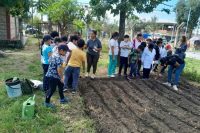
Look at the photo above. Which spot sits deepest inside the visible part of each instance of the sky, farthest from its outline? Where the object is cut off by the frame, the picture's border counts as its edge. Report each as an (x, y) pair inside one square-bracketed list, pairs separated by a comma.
[(162, 16)]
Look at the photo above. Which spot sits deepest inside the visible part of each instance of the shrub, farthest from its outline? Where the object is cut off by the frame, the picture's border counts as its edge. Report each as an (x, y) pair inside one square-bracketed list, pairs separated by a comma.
[(11, 44)]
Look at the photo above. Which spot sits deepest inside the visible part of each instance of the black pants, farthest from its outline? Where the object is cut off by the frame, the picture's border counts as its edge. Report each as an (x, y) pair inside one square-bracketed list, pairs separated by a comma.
[(92, 61), (146, 73), (53, 83), (45, 80), (139, 64), (123, 63)]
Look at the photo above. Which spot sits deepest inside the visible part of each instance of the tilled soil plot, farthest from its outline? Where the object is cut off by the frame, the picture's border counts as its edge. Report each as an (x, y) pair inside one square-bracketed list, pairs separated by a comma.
[(138, 106)]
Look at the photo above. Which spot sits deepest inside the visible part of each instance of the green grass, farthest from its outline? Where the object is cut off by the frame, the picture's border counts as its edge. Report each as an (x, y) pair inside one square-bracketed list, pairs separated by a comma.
[(192, 69), (67, 118)]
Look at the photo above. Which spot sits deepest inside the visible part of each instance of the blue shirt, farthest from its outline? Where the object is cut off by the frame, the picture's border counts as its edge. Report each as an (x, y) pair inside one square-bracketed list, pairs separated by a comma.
[(46, 49), (91, 44), (54, 63)]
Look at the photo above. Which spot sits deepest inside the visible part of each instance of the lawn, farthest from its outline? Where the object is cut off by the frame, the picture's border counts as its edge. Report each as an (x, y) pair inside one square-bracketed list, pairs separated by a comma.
[(192, 69), (66, 118)]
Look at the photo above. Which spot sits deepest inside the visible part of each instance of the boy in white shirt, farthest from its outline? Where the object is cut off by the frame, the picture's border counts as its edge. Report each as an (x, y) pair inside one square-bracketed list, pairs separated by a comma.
[(147, 60), (125, 47)]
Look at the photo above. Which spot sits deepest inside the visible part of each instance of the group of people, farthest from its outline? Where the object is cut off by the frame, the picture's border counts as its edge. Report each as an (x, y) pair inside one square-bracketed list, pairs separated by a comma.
[(62, 59), (153, 55)]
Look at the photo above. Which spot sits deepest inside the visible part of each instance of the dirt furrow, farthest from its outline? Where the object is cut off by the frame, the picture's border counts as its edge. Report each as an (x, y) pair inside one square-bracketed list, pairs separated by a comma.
[(156, 99), (141, 112), (181, 115), (98, 110), (176, 98)]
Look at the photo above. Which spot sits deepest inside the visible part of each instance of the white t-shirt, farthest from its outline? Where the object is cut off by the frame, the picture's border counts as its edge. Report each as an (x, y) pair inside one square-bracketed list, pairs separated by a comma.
[(163, 52), (113, 43), (125, 51), (136, 43), (147, 57), (71, 46)]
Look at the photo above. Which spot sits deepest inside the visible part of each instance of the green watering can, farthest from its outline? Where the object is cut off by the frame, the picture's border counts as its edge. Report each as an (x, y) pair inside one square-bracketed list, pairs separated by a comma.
[(28, 109)]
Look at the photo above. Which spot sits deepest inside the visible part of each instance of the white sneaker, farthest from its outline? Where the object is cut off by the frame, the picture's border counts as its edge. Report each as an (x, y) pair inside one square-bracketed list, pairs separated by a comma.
[(112, 76), (92, 76), (87, 75), (175, 88), (167, 84)]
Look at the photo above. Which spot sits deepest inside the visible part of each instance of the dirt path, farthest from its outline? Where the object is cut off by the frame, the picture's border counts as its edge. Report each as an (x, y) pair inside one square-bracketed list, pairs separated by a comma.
[(119, 106)]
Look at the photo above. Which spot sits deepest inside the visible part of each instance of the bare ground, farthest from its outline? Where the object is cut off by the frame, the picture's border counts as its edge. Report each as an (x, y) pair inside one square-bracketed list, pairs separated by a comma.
[(138, 106)]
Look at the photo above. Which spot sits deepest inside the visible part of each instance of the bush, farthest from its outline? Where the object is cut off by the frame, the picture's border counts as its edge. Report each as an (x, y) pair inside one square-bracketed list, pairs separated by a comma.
[(11, 44)]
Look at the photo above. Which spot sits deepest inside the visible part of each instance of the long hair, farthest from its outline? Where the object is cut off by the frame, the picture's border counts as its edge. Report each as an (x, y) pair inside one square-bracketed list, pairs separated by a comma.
[(183, 39)]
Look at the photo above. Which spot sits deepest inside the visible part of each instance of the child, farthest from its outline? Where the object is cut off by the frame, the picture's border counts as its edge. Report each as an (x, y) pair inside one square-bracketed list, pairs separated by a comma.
[(133, 60), (113, 54), (55, 47), (55, 76), (77, 59), (147, 60), (158, 49), (46, 52), (125, 46)]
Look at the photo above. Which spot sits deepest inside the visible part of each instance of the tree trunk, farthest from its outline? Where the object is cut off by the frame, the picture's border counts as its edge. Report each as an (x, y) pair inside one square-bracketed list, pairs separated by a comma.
[(50, 25), (190, 34), (122, 20), (20, 29)]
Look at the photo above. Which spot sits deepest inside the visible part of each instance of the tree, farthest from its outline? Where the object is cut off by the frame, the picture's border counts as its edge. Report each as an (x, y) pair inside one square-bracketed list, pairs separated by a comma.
[(65, 13), (182, 12), (124, 8)]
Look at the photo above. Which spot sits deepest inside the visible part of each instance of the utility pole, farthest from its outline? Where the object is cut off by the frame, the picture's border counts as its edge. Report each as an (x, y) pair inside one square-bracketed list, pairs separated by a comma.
[(188, 19)]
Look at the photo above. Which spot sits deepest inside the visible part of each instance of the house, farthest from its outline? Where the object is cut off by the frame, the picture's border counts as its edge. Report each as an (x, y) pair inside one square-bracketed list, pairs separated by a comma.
[(9, 26)]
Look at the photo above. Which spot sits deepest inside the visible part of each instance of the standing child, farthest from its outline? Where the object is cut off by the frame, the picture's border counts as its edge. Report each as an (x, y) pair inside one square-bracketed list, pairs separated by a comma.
[(113, 54), (46, 52), (77, 59), (55, 76), (125, 47), (147, 60), (134, 56)]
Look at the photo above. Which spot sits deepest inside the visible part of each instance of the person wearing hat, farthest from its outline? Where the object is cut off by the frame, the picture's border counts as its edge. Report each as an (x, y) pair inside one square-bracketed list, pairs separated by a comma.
[(176, 64), (46, 52), (147, 60), (55, 75)]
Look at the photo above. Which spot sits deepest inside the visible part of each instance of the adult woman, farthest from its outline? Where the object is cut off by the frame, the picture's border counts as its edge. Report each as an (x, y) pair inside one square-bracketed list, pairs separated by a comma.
[(180, 51), (93, 50), (113, 54)]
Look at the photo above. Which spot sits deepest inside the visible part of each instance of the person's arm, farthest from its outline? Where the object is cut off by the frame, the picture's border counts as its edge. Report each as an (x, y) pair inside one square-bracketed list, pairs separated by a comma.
[(60, 69), (49, 51), (69, 56), (99, 48)]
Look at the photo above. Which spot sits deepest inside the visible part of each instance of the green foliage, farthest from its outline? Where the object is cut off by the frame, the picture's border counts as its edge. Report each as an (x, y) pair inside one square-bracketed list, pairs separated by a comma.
[(182, 12), (63, 12), (192, 71), (11, 44), (125, 8), (17, 7)]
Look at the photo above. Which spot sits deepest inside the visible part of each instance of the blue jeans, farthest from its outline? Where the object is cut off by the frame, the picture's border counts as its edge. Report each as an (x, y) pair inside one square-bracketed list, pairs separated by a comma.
[(75, 72), (178, 72), (112, 65), (133, 70)]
